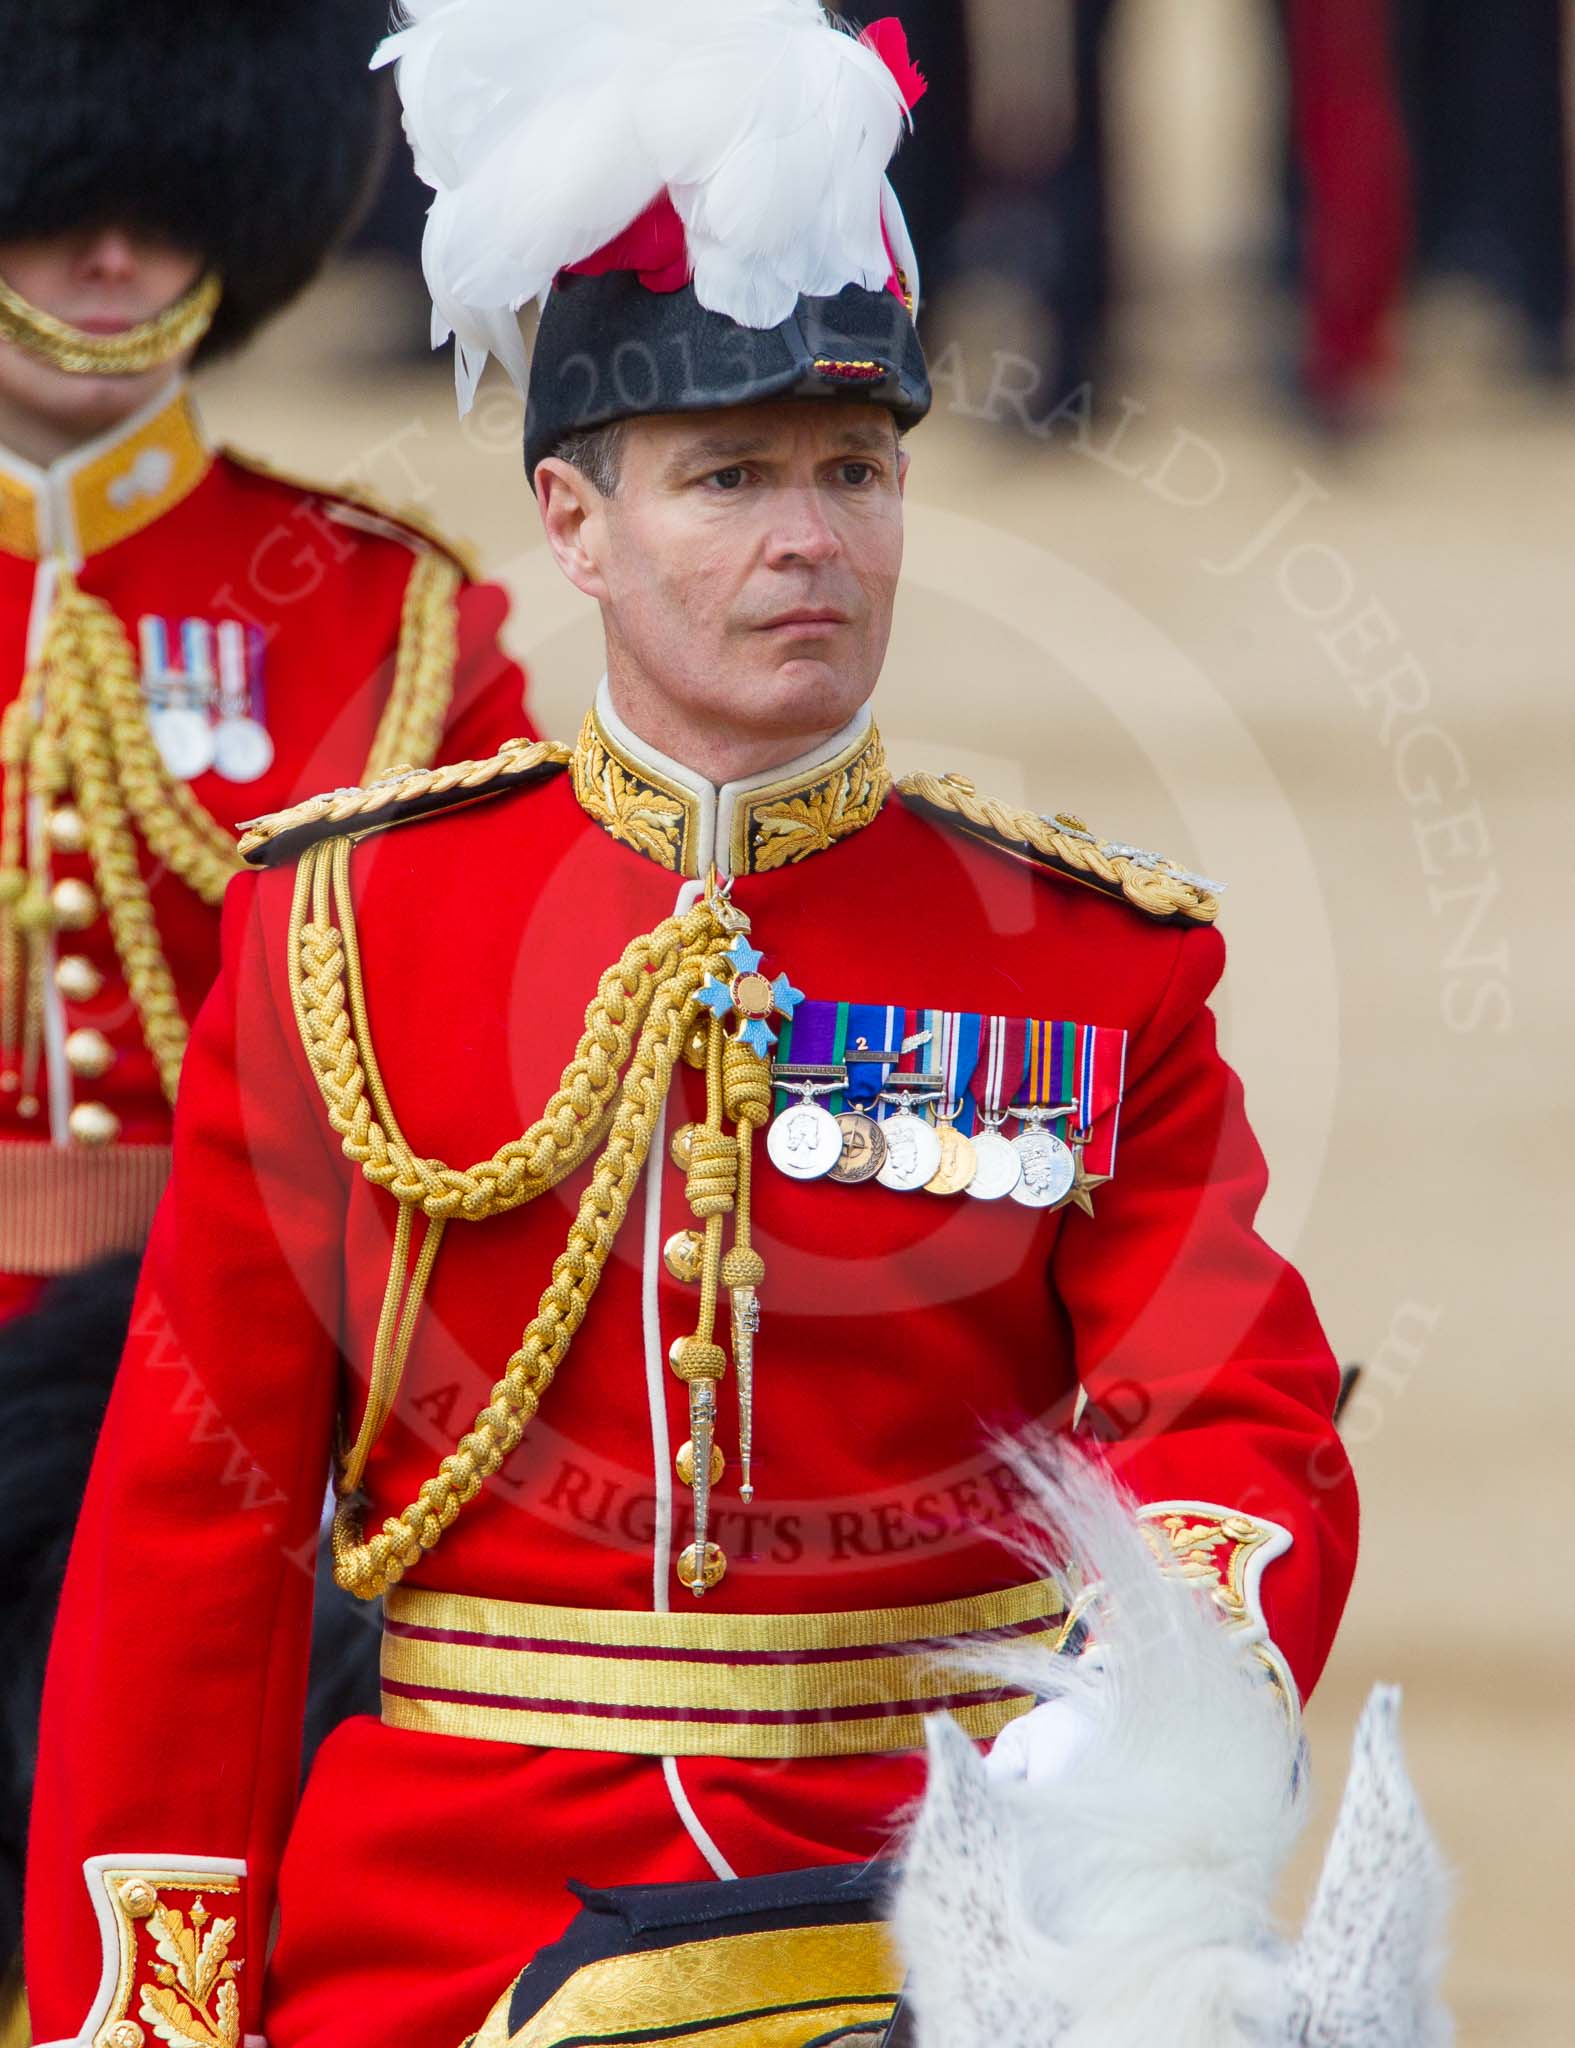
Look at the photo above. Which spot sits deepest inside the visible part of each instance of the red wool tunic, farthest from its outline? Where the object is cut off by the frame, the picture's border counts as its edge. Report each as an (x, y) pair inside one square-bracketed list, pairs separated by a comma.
[(154, 522), (900, 1334)]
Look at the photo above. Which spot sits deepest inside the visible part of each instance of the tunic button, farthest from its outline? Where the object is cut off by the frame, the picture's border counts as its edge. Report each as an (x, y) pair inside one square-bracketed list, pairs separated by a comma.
[(685, 1463), (67, 833), (683, 1254), (77, 979), (123, 2034), (681, 1146), (89, 1053), (715, 1566), (75, 905), (91, 1124)]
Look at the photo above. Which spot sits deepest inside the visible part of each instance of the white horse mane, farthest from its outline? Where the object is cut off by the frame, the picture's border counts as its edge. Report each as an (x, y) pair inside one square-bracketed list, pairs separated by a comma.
[(1129, 1903)]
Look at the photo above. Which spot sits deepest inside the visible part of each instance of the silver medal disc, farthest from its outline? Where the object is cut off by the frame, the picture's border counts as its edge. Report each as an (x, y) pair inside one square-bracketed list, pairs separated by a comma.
[(184, 739), (805, 1141), (913, 1152), (242, 749), (1049, 1169), (998, 1170)]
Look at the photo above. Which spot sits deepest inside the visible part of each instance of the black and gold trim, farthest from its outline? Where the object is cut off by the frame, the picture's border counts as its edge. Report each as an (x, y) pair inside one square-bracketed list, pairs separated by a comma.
[(399, 798), (760, 1963), (1063, 845)]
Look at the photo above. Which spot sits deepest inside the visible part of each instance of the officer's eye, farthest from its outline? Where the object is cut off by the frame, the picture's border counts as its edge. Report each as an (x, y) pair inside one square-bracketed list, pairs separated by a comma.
[(730, 479), (858, 474)]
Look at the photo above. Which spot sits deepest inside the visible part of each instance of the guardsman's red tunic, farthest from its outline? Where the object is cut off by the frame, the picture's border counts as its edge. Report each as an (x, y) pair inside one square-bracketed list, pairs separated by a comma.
[(557, 1705), (322, 603)]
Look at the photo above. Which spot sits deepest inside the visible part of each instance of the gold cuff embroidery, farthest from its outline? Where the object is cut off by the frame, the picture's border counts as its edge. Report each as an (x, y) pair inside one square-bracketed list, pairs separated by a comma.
[(1225, 1554), (172, 1952)]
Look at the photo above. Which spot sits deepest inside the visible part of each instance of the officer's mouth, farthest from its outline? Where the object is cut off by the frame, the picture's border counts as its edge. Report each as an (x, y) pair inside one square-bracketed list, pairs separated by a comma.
[(807, 624)]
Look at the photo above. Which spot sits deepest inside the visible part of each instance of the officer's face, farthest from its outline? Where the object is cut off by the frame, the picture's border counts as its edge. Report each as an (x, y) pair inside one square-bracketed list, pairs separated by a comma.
[(101, 279), (746, 566)]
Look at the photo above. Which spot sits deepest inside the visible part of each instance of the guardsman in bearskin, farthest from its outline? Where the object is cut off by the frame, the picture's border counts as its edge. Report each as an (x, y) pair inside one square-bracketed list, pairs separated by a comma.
[(185, 638), (654, 1174)]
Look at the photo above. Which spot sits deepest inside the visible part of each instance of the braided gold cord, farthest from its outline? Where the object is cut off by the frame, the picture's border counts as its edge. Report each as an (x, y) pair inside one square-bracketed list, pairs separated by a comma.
[(1158, 890), (357, 809), (409, 519), (411, 729), (127, 354), (329, 1001), (640, 1015), (16, 737), (89, 745), (178, 832)]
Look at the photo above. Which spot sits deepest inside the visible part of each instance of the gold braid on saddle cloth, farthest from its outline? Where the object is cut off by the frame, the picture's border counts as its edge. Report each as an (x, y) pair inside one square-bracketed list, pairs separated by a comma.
[(611, 1093), (77, 741)]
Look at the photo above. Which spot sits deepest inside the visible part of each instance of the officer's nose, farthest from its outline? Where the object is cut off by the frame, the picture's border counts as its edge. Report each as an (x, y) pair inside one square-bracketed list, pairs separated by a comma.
[(801, 532)]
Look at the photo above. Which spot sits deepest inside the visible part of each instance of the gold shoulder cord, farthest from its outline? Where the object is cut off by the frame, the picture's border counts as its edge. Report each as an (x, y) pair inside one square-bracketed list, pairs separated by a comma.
[(635, 1029), (77, 738), (1151, 884)]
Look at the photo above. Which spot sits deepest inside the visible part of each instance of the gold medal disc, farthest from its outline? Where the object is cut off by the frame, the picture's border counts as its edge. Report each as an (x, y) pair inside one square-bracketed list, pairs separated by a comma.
[(959, 1163)]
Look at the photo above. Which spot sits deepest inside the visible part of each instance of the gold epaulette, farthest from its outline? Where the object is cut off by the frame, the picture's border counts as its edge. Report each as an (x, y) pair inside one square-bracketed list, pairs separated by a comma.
[(364, 508), (1064, 845), (396, 798)]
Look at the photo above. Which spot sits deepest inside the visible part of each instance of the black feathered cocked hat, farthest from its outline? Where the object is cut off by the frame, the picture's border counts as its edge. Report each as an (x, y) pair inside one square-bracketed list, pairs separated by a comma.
[(244, 129)]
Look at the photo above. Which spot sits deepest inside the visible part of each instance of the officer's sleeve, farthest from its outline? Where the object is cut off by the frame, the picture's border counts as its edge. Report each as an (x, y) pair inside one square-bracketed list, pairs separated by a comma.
[(489, 701), (1206, 1371), (171, 1725)]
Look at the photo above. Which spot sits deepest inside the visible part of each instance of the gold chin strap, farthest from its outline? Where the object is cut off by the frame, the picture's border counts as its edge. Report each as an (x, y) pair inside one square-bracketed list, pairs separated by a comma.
[(636, 1028), (147, 346)]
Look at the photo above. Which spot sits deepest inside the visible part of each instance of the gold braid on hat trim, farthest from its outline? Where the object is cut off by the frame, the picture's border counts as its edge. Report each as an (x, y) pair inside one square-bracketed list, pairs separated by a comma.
[(127, 354), (78, 735), (1066, 846)]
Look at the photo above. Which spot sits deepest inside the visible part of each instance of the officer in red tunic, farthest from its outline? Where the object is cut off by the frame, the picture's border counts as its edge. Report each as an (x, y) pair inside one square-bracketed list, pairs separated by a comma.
[(186, 639), (653, 1174)]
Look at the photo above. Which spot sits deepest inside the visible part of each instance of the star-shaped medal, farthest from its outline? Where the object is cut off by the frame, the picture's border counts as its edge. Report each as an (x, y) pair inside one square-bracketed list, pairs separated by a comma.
[(748, 994), (1082, 1195)]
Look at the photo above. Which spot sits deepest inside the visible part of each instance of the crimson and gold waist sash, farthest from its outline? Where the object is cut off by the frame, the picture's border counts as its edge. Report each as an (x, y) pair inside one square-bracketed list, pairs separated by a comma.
[(766, 1686)]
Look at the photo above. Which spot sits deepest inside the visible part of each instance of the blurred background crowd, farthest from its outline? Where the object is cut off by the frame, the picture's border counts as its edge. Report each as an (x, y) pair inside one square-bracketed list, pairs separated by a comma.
[(1403, 145)]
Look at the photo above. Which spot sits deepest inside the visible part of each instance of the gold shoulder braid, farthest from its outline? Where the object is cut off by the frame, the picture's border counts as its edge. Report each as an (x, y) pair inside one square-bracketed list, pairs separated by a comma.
[(636, 1027), (1065, 846), (78, 739), (401, 794), (412, 526)]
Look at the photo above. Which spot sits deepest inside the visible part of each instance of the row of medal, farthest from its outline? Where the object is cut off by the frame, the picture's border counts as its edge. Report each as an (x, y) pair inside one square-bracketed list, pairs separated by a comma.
[(205, 712), (907, 1151)]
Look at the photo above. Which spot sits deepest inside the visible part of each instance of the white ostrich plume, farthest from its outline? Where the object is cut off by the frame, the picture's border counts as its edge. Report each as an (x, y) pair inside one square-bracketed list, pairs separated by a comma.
[(1126, 1900), (545, 132)]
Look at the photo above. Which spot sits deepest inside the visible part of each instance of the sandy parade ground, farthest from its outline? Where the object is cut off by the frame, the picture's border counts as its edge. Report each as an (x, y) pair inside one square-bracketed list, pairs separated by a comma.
[(1337, 678)]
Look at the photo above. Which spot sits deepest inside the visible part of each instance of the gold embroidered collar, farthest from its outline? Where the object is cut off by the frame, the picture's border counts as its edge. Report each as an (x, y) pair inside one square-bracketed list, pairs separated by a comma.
[(108, 490), (685, 824)]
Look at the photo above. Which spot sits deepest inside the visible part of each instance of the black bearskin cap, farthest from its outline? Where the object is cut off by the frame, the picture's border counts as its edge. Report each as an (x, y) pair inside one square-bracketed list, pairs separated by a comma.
[(245, 129)]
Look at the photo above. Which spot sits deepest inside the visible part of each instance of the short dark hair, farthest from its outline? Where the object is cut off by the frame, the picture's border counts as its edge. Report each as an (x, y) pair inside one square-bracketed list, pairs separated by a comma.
[(597, 453)]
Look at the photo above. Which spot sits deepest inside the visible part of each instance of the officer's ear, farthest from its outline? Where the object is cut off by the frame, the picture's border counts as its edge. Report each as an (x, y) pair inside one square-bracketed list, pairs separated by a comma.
[(571, 510)]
